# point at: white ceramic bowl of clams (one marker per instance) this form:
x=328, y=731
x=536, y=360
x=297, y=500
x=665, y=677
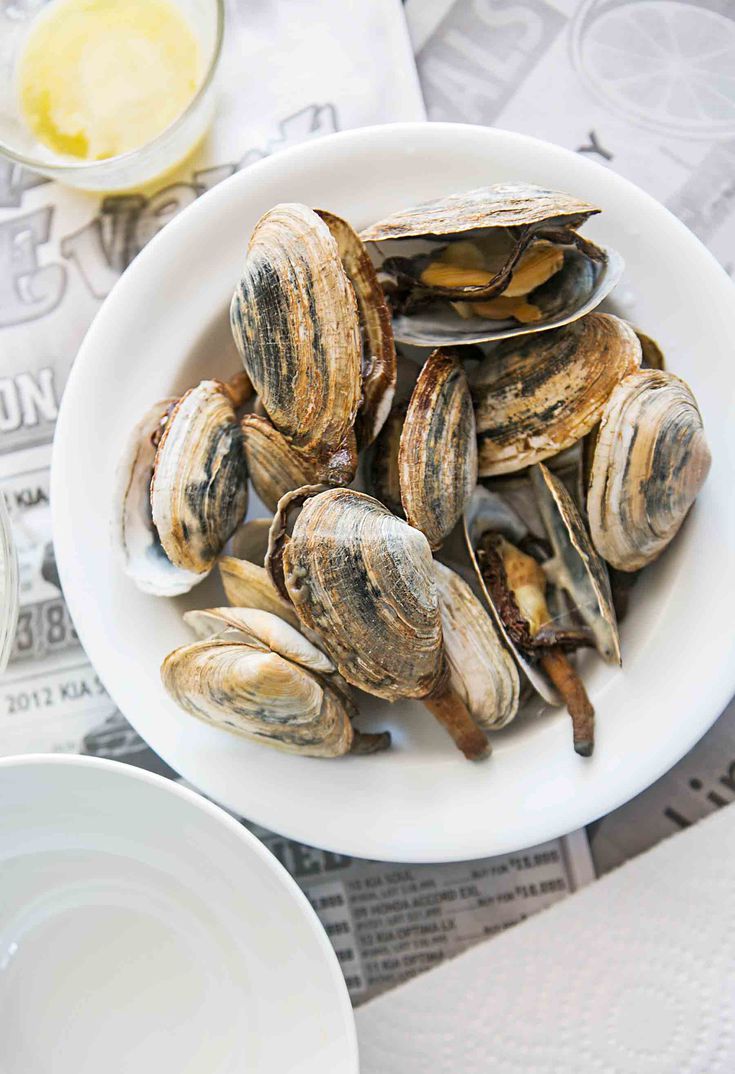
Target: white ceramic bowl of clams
x=568, y=402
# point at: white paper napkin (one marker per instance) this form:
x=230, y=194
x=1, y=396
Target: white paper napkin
x=633, y=975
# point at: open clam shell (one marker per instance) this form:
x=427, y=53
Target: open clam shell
x=650, y=461
x=488, y=512
x=199, y=489
x=256, y=693
x=539, y=396
x=437, y=458
x=378, y=348
x=510, y=228
x=295, y=322
x=263, y=628
x=274, y=467
x=576, y=567
x=144, y=558
x=481, y=669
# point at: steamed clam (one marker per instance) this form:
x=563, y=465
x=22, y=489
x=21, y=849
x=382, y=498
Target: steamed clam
x=576, y=567
x=481, y=670
x=536, y=396
x=489, y=263
x=363, y=580
x=309, y=320
x=182, y=486
x=649, y=462
x=258, y=678
x=437, y=456
x=383, y=479
x=549, y=591
x=378, y=349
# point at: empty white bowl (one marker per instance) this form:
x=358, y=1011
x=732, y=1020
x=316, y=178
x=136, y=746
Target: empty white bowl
x=143, y=930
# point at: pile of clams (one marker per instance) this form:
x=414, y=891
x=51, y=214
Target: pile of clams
x=451, y=525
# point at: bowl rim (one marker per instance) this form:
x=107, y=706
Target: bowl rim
x=630, y=782
x=133, y=774
x=60, y=168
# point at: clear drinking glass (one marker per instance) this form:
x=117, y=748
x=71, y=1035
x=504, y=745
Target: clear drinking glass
x=136, y=167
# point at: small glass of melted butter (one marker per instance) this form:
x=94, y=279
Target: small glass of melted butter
x=111, y=93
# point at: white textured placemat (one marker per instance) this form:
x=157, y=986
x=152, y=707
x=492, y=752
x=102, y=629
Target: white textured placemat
x=633, y=975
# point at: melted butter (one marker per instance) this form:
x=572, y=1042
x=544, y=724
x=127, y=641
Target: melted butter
x=101, y=77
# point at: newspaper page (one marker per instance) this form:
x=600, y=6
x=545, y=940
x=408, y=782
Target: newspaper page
x=644, y=87
x=388, y=922
x=60, y=254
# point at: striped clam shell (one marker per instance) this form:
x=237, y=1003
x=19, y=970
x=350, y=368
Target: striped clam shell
x=378, y=348
x=364, y=581
x=503, y=205
x=538, y=396
x=576, y=566
x=489, y=512
x=274, y=467
x=134, y=534
x=650, y=461
x=295, y=322
x=199, y=488
x=437, y=457
x=481, y=669
x=252, y=691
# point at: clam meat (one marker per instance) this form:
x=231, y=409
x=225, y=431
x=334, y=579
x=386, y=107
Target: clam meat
x=489, y=263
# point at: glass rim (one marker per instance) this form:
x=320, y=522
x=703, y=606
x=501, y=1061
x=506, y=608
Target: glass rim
x=37, y=164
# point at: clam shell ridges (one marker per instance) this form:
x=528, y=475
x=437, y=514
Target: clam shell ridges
x=258, y=695
x=274, y=467
x=437, y=459
x=536, y=397
x=199, y=489
x=364, y=581
x=582, y=569
x=650, y=462
x=247, y=585
x=379, y=352
x=135, y=535
x=502, y=205
x=295, y=323
x=481, y=669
